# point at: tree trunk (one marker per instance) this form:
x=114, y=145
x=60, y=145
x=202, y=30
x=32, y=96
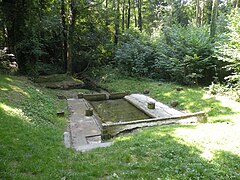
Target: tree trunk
x=198, y=13
x=129, y=14
x=202, y=13
x=236, y=4
x=117, y=20
x=209, y=10
x=214, y=18
x=140, y=15
x=135, y=15
x=123, y=16
x=9, y=11
x=64, y=34
x=107, y=19
x=71, y=30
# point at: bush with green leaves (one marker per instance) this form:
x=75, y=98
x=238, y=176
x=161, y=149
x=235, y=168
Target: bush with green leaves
x=135, y=57
x=180, y=54
x=185, y=55
x=228, y=49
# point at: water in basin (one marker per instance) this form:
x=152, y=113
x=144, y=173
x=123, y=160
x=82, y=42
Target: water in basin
x=118, y=110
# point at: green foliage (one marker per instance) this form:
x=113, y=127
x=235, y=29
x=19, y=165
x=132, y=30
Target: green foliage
x=135, y=57
x=228, y=49
x=37, y=32
x=106, y=73
x=186, y=55
x=181, y=54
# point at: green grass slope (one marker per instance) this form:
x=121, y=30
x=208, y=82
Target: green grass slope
x=30, y=131
x=31, y=142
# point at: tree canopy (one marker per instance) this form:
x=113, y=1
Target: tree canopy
x=177, y=40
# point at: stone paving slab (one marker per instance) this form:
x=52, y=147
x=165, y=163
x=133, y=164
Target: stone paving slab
x=161, y=110
x=111, y=132
x=81, y=126
x=88, y=147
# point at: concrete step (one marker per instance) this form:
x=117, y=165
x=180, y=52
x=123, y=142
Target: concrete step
x=89, y=147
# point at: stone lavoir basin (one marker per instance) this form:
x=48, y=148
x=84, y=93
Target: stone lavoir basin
x=101, y=116
x=117, y=110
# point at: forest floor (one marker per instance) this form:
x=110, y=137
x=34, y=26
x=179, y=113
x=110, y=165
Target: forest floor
x=31, y=137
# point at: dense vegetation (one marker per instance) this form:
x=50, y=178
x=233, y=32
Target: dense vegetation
x=189, y=42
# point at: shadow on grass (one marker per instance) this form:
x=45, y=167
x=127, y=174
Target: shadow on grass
x=28, y=151
x=228, y=163
x=151, y=154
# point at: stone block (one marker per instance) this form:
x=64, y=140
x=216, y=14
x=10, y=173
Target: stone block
x=117, y=95
x=95, y=97
x=89, y=112
x=151, y=105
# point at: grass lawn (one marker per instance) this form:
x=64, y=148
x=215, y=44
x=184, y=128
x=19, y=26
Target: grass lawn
x=31, y=138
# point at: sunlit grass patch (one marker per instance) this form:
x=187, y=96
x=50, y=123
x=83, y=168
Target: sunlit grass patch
x=14, y=112
x=32, y=103
x=210, y=138
x=19, y=90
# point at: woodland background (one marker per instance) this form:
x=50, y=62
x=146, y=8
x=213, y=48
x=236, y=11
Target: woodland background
x=185, y=41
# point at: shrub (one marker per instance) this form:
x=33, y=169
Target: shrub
x=135, y=57
x=228, y=49
x=185, y=55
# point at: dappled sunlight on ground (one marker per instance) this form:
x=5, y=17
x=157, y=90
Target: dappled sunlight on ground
x=14, y=112
x=8, y=84
x=19, y=90
x=124, y=138
x=4, y=89
x=228, y=110
x=210, y=138
x=9, y=79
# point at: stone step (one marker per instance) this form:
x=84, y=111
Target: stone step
x=161, y=110
x=89, y=147
x=81, y=127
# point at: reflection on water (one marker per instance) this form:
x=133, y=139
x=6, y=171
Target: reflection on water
x=118, y=110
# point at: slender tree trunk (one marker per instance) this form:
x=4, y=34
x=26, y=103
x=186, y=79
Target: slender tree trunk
x=140, y=15
x=64, y=34
x=107, y=19
x=236, y=4
x=209, y=10
x=72, y=23
x=10, y=12
x=214, y=18
x=202, y=12
x=198, y=13
x=6, y=43
x=129, y=14
x=123, y=16
x=135, y=15
x=117, y=20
